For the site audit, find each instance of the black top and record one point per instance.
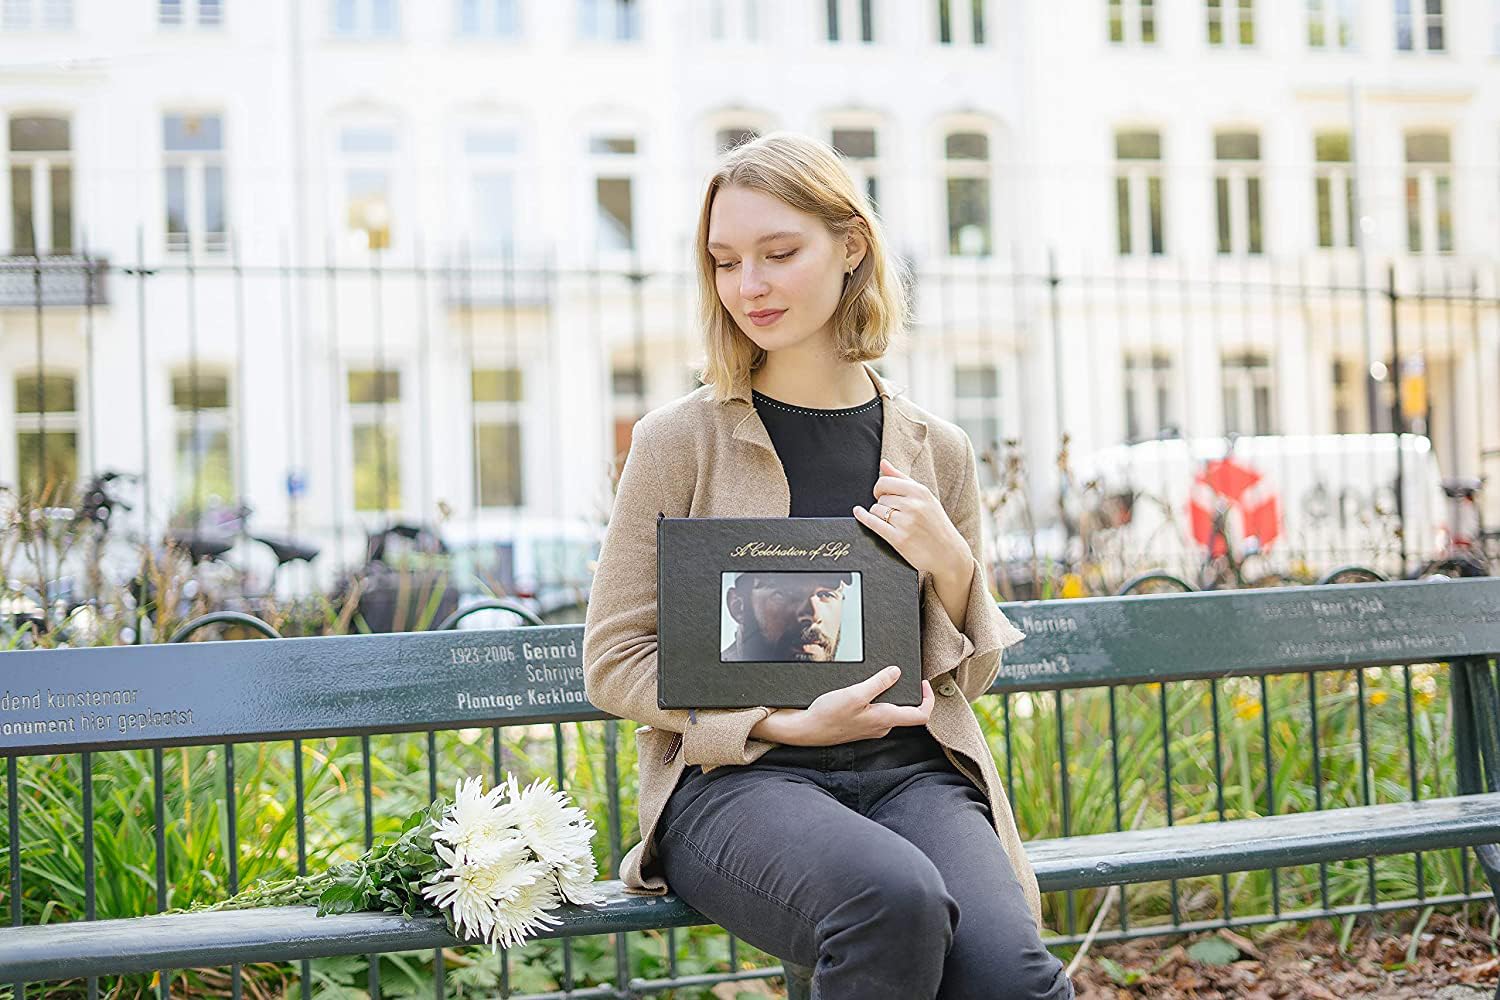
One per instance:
(831, 457)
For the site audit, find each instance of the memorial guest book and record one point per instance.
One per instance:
(777, 611)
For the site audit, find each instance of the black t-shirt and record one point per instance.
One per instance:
(831, 459)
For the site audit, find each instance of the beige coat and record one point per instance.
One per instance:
(697, 457)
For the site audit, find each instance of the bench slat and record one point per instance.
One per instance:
(280, 933)
(143, 944)
(1270, 842)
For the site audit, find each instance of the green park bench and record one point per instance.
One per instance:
(251, 690)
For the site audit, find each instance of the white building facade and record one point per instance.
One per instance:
(370, 259)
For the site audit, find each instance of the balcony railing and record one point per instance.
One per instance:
(58, 280)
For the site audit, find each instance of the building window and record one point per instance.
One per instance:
(609, 20)
(46, 435)
(1333, 186)
(614, 191)
(1429, 193)
(1247, 394)
(733, 20)
(375, 426)
(41, 186)
(627, 393)
(1132, 22)
(366, 18)
(368, 153)
(201, 418)
(491, 154)
(1349, 408)
(732, 136)
(961, 22)
(489, 18)
(1330, 24)
(1419, 26)
(857, 146)
(498, 396)
(180, 13)
(193, 157)
(1150, 409)
(1231, 23)
(967, 165)
(1237, 192)
(976, 408)
(840, 17)
(30, 15)
(1138, 195)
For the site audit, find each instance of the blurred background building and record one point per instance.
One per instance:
(361, 261)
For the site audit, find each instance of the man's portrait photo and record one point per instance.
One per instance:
(786, 617)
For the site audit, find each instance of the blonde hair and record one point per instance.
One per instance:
(807, 175)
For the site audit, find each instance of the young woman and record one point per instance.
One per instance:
(871, 842)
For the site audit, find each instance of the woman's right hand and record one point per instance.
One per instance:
(844, 715)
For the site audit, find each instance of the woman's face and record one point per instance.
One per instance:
(778, 271)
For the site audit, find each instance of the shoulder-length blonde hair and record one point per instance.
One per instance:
(808, 175)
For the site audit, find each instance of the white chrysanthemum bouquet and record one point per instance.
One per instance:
(492, 863)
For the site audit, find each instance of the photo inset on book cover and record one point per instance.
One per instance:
(776, 611)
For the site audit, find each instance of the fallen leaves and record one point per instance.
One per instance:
(1295, 963)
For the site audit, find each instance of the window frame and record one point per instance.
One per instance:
(46, 423)
(195, 164)
(1133, 177)
(489, 22)
(345, 163)
(1232, 17)
(1434, 181)
(1338, 176)
(1420, 23)
(363, 27)
(1132, 16)
(42, 165)
(611, 166)
(967, 168)
(384, 416)
(627, 21)
(504, 413)
(1238, 177)
(1254, 374)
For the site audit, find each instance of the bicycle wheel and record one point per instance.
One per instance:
(1351, 574)
(1155, 583)
(1451, 569)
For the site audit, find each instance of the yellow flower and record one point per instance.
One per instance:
(1378, 698)
(1245, 707)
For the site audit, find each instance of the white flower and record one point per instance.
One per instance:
(555, 831)
(575, 880)
(476, 819)
(511, 854)
(479, 887)
(525, 914)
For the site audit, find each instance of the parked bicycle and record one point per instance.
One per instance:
(1225, 566)
(1466, 550)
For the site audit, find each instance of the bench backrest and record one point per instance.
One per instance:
(1172, 637)
(198, 693)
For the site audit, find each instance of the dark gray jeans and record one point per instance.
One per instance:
(874, 863)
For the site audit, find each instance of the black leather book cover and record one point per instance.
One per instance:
(776, 611)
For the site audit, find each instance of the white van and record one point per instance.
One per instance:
(1335, 497)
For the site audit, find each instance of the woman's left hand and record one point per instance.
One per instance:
(907, 515)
